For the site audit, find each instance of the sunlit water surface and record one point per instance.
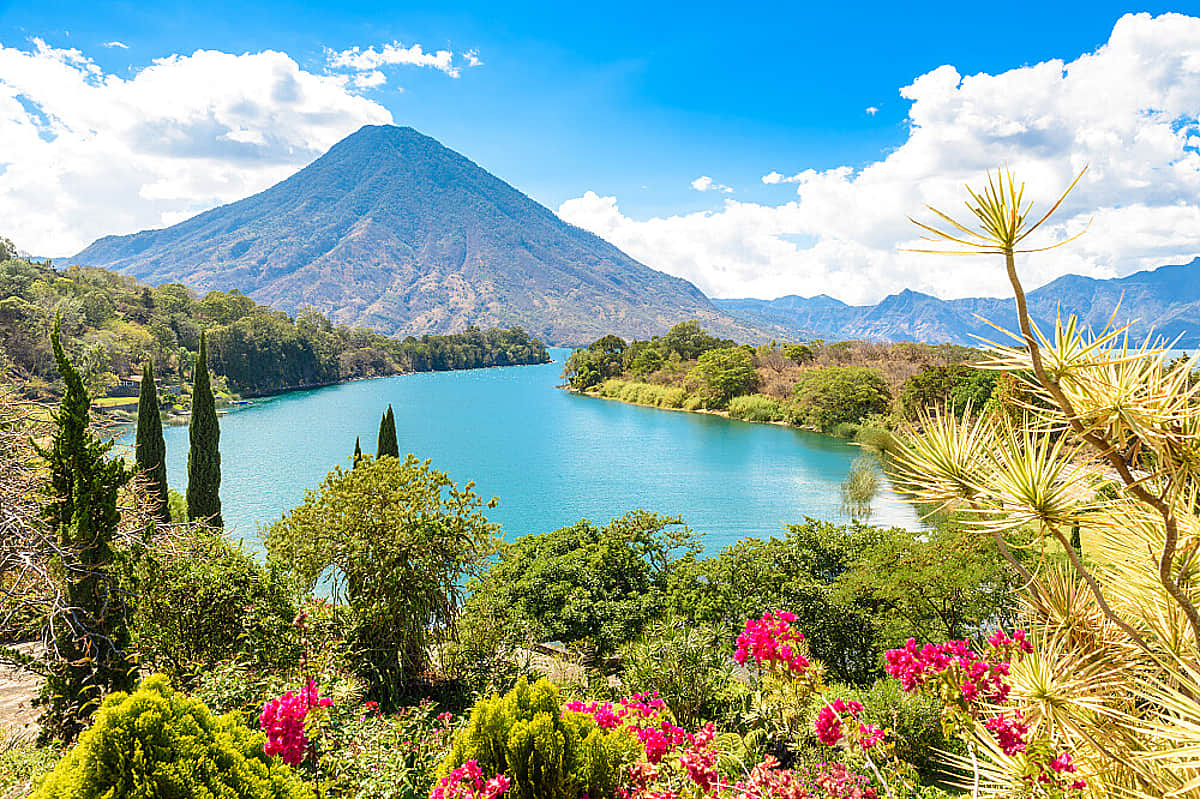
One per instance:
(551, 457)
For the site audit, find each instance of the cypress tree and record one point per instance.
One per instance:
(388, 444)
(151, 450)
(204, 448)
(357, 451)
(91, 639)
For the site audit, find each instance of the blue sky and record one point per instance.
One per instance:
(630, 101)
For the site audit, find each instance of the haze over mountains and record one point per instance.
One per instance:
(392, 231)
(1165, 300)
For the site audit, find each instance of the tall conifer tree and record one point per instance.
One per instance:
(388, 444)
(90, 636)
(150, 451)
(357, 451)
(204, 448)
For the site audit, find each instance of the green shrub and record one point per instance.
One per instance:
(913, 721)
(548, 754)
(726, 373)
(689, 666)
(643, 393)
(159, 743)
(372, 756)
(844, 430)
(22, 764)
(756, 408)
(876, 434)
(206, 602)
(833, 395)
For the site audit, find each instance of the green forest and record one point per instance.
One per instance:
(112, 323)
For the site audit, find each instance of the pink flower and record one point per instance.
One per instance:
(770, 640)
(828, 724)
(700, 759)
(466, 782)
(282, 720)
(869, 735)
(1009, 731)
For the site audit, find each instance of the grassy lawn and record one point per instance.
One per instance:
(114, 402)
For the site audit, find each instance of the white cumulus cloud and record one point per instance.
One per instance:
(114, 43)
(1131, 110)
(393, 54)
(705, 183)
(87, 153)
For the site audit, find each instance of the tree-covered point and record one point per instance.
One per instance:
(112, 323)
(834, 387)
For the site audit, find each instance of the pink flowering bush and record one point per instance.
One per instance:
(283, 720)
(974, 690)
(772, 643)
(466, 782)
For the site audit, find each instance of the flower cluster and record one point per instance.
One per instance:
(700, 759)
(771, 640)
(768, 781)
(282, 720)
(609, 716)
(466, 782)
(839, 782)
(974, 677)
(1010, 732)
(829, 722)
(641, 715)
(1060, 767)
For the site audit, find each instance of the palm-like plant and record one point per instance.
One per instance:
(1108, 444)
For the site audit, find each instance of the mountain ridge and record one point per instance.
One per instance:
(1165, 300)
(393, 231)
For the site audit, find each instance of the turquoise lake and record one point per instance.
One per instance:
(551, 457)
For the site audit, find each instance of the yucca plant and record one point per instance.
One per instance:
(1106, 451)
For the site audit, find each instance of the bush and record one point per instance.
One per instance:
(835, 395)
(548, 754)
(727, 372)
(589, 587)
(643, 393)
(370, 756)
(756, 408)
(687, 664)
(22, 764)
(402, 536)
(159, 743)
(208, 601)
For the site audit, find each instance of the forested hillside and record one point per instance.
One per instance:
(111, 323)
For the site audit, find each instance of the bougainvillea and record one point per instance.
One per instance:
(282, 720)
(829, 722)
(642, 716)
(771, 641)
(466, 782)
(972, 686)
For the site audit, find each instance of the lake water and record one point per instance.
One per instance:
(551, 457)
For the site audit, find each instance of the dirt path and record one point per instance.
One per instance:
(17, 690)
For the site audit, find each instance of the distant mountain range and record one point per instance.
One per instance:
(392, 231)
(1166, 300)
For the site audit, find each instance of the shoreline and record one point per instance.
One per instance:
(707, 412)
(244, 398)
